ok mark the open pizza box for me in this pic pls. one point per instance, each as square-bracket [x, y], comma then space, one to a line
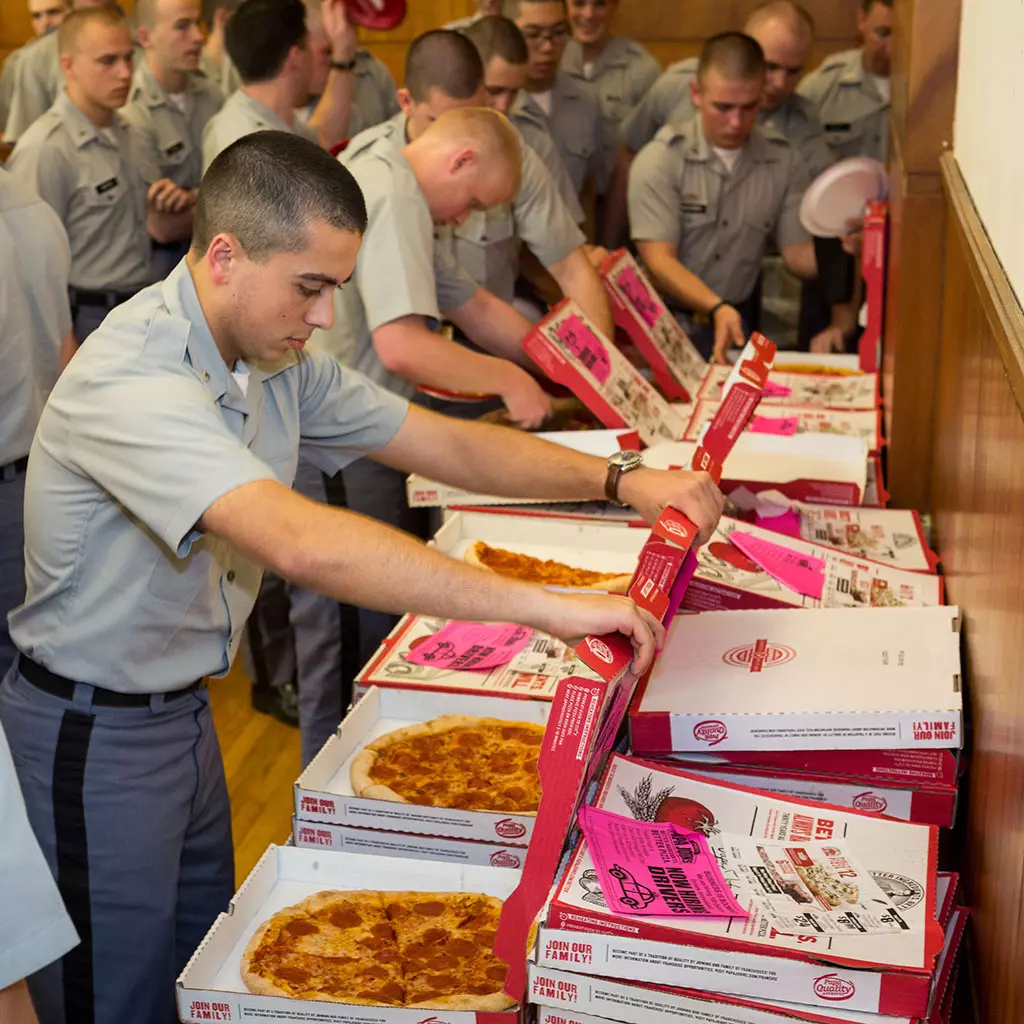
[421, 492]
[533, 674]
[887, 677]
[787, 420]
[885, 968]
[916, 767]
[376, 843]
[825, 391]
[211, 987]
[822, 468]
[820, 363]
[601, 512]
[875, 494]
[563, 997]
[729, 577]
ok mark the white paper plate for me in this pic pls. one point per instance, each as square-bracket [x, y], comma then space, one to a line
[840, 193]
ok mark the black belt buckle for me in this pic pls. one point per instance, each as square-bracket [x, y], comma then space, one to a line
[13, 469]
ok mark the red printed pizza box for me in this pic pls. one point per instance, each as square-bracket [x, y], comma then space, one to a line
[872, 267]
[931, 805]
[571, 350]
[324, 793]
[938, 768]
[820, 363]
[729, 578]
[677, 366]
[947, 896]
[787, 420]
[880, 973]
[319, 835]
[888, 678]
[565, 997]
[533, 674]
[893, 536]
[820, 468]
[825, 391]
[422, 492]
[211, 987]
[875, 494]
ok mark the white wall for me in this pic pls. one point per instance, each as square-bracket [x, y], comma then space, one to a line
[989, 127]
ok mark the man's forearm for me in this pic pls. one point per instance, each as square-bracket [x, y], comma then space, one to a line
[674, 279]
[493, 325]
[170, 227]
[334, 111]
[579, 280]
[800, 260]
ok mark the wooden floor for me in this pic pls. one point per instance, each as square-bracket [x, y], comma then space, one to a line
[261, 762]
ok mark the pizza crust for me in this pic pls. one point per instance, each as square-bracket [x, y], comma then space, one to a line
[613, 585]
[493, 1003]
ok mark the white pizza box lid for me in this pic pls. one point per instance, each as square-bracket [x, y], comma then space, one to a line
[808, 467]
[727, 579]
[893, 970]
[887, 677]
[211, 982]
[533, 674]
[422, 492]
[576, 511]
[320, 835]
[840, 193]
[324, 792]
[824, 390]
[786, 358]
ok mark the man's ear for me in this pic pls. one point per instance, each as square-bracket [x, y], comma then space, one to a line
[223, 255]
[143, 36]
[65, 62]
[461, 159]
[695, 91]
[405, 101]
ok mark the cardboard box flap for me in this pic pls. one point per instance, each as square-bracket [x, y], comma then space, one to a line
[826, 391]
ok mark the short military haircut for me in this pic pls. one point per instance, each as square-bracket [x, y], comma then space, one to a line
[73, 24]
[495, 36]
[444, 60]
[514, 8]
[734, 55]
[782, 10]
[260, 36]
[866, 5]
[267, 188]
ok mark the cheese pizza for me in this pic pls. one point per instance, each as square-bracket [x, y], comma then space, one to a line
[550, 573]
[428, 950]
[457, 761]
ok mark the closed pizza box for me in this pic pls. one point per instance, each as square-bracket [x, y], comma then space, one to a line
[727, 578]
[421, 492]
[875, 494]
[533, 674]
[887, 677]
[571, 350]
[822, 468]
[323, 792]
[947, 896]
[321, 836]
[564, 997]
[872, 268]
[881, 973]
[826, 391]
[919, 767]
[677, 366]
[788, 420]
[211, 987]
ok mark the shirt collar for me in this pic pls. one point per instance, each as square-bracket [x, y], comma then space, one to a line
[758, 149]
[262, 112]
[148, 89]
[82, 130]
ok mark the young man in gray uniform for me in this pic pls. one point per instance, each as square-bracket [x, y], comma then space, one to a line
[171, 101]
[850, 91]
[97, 172]
[159, 488]
[705, 198]
[45, 16]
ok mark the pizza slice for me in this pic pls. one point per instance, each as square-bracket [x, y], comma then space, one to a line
[548, 572]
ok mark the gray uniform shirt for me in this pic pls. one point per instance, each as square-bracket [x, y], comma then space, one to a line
[399, 271]
[97, 185]
[622, 74]
[720, 222]
[241, 115]
[142, 433]
[538, 138]
[7, 84]
[34, 264]
[657, 108]
[175, 135]
[854, 114]
[38, 80]
[575, 124]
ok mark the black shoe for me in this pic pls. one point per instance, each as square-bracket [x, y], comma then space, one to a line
[282, 703]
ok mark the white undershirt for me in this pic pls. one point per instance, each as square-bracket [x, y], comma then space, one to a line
[180, 100]
[588, 70]
[543, 100]
[241, 375]
[728, 157]
[110, 135]
[883, 85]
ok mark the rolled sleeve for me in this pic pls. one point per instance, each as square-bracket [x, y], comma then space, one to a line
[543, 221]
[35, 928]
[789, 230]
[654, 200]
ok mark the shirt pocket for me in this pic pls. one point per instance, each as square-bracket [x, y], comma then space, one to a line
[486, 247]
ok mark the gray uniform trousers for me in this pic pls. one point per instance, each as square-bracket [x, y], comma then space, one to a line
[131, 810]
[12, 555]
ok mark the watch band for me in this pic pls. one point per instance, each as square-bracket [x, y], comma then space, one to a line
[343, 65]
[611, 483]
[714, 309]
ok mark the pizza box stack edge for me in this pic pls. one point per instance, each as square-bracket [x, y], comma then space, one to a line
[875, 972]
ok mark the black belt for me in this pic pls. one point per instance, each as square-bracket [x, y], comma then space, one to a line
[102, 300]
[178, 246]
[13, 469]
[57, 686]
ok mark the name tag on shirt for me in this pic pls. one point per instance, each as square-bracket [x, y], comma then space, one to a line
[176, 148]
[837, 127]
[106, 186]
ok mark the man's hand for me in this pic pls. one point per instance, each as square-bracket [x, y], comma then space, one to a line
[574, 616]
[339, 30]
[829, 340]
[728, 332]
[651, 491]
[165, 197]
[16, 1005]
[597, 254]
[528, 406]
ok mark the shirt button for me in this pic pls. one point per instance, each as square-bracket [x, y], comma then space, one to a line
[725, 223]
[717, 257]
[231, 575]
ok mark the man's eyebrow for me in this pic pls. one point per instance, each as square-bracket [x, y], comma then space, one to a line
[324, 278]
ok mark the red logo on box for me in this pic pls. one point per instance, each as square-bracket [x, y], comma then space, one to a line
[504, 859]
[870, 802]
[204, 1010]
[509, 829]
[833, 988]
[759, 655]
[600, 649]
[710, 732]
[433, 1020]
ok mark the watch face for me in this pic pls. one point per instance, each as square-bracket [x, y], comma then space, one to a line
[627, 460]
